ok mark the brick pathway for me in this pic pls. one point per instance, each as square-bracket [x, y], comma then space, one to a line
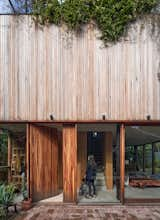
[70, 212]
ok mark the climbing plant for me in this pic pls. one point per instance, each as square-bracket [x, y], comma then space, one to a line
[111, 16]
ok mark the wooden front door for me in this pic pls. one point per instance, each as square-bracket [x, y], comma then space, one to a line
[43, 157]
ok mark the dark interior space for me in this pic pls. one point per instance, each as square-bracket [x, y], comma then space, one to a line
[95, 146]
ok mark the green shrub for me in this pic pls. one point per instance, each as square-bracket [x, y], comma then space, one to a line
[3, 213]
[111, 16]
[7, 194]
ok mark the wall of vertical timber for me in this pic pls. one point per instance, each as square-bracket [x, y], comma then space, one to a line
[47, 70]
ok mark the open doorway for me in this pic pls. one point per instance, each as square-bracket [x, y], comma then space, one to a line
[101, 142]
[13, 172]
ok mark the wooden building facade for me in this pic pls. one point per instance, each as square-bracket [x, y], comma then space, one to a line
[48, 71]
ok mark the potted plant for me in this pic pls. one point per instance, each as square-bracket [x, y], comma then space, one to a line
[27, 202]
[7, 194]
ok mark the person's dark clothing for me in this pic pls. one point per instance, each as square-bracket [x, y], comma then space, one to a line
[90, 177]
[90, 184]
[91, 172]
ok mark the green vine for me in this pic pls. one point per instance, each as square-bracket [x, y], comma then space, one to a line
[111, 16]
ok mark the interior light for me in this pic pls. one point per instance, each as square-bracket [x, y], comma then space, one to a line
[95, 134]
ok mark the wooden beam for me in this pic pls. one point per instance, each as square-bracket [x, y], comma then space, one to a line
[153, 158]
[9, 158]
[69, 163]
[108, 160]
[122, 162]
[125, 122]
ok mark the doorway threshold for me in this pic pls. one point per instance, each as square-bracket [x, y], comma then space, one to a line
[98, 203]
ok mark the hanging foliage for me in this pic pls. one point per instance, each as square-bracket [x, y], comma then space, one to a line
[111, 16]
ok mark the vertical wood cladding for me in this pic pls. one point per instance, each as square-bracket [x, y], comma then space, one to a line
[44, 70]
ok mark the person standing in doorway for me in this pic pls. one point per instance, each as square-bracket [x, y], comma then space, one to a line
[91, 176]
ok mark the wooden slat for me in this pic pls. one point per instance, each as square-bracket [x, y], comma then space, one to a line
[122, 162]
[69, 163]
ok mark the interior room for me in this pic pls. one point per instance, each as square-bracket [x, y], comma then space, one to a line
[12, 153]
[142, 162]
[99, 141]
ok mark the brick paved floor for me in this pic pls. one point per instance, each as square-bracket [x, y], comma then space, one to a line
[67, 212]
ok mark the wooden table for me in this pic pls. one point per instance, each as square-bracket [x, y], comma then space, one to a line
[144, 182]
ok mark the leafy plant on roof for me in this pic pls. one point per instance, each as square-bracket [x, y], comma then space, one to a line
[111, 16]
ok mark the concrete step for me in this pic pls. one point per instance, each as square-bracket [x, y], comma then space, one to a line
[100, 175]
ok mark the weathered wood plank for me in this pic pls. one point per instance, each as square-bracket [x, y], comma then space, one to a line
[36, 68]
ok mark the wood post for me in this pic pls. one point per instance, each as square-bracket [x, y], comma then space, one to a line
[9, 158]
[153, 158]
[69, 163]
[28, 159]
[143, 158]
[122, 162]
[81, 156]
[108, 160]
